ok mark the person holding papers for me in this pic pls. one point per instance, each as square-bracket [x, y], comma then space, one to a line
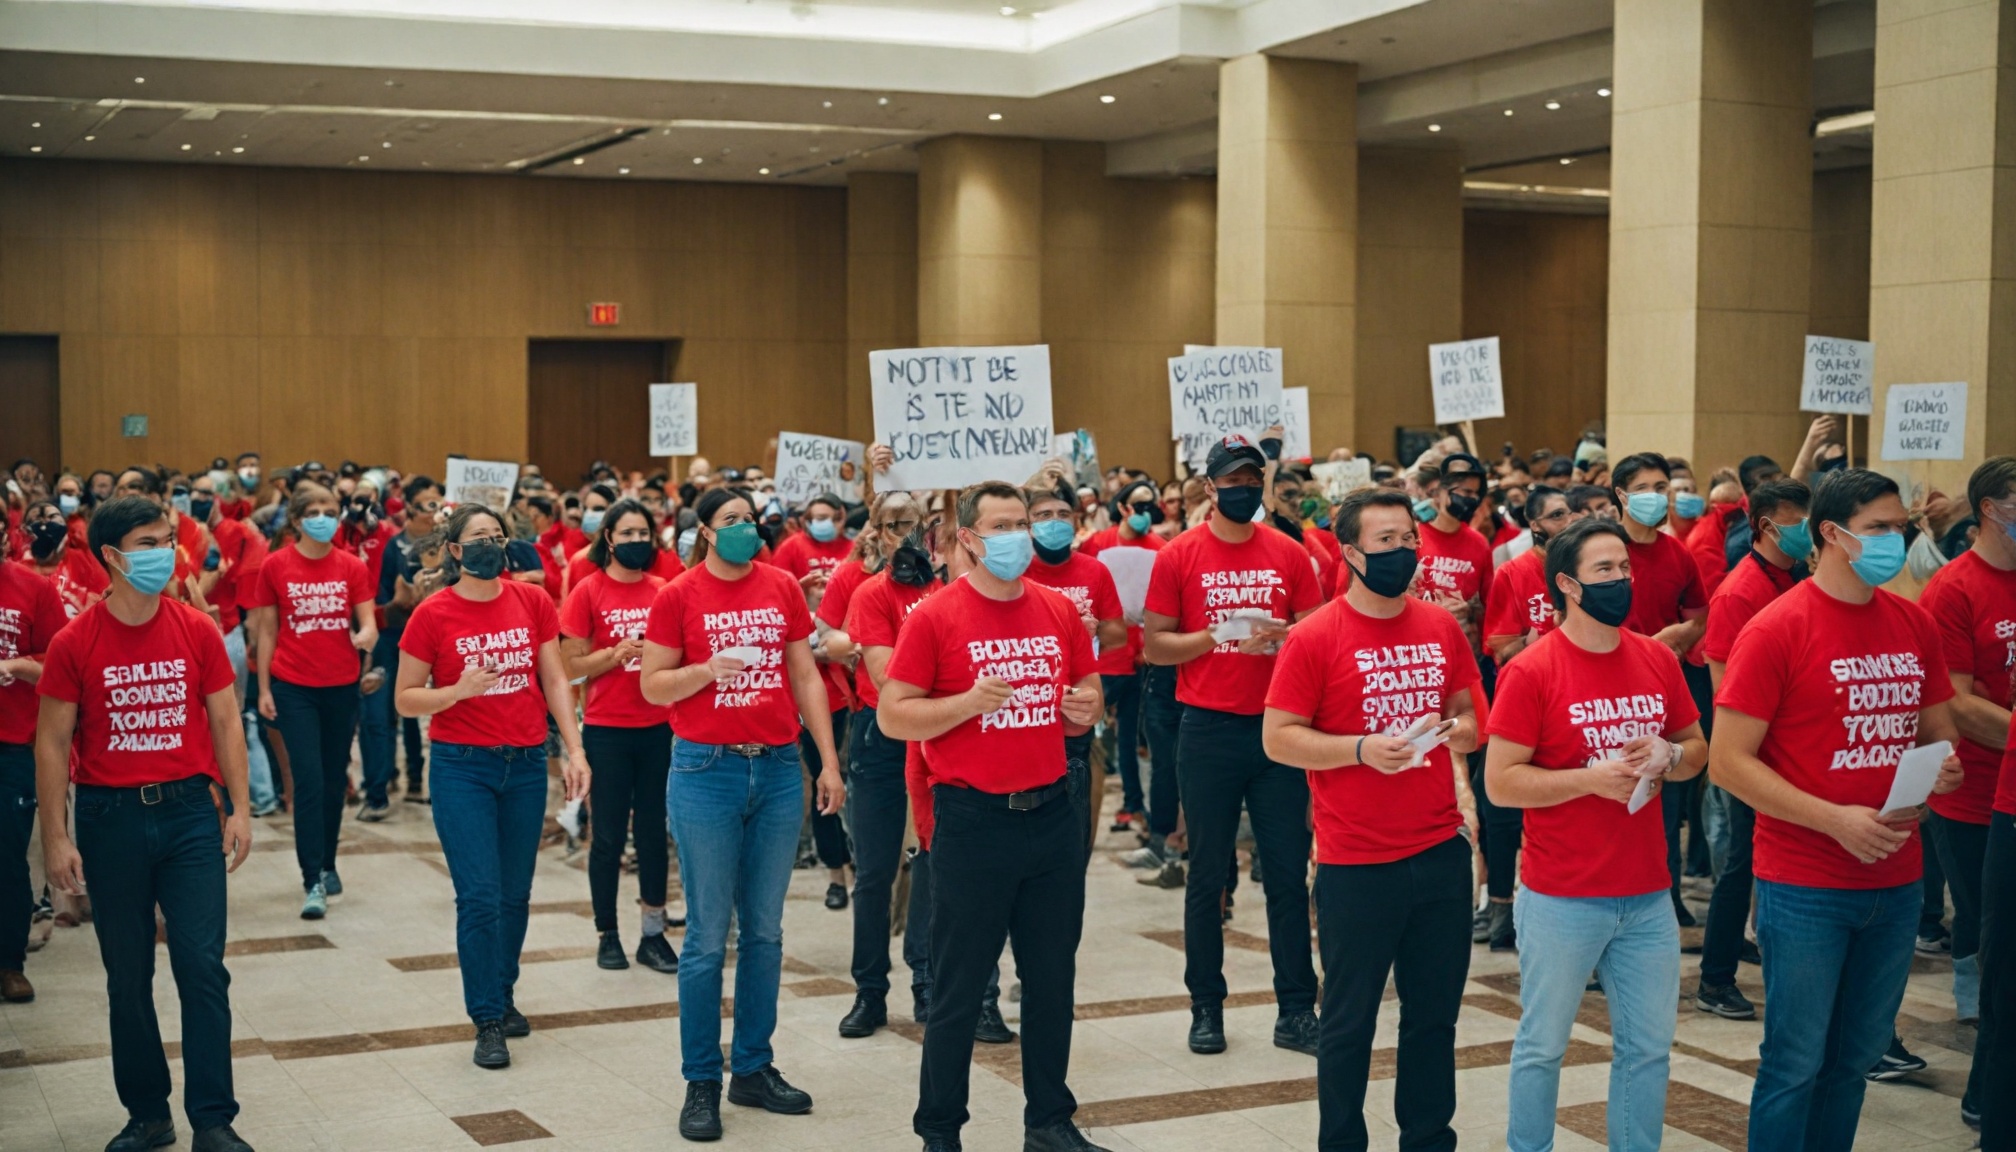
[1588, 724]
[1827, 693]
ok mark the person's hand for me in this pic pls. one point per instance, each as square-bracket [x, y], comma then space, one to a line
[575, 773]
[476, 680]
[627, 649]
[1652, 755]
[1613, 779]
[831, 793]
[1949, 776]
[988, 695]
[267, 708]
[1388, 754]
[1672, 637]
[193, 588]
[64, 866]
[1864, 834]
[1081, 708]
[723, 669]
[1820, 431]
[1091, 625]
[1454, 605]
[813, 583]
[365, 639]
[237, 838]
[881, 458]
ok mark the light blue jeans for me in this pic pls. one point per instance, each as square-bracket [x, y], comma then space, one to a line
[735, 821]
[258, 769]
[1835, 963]
[1633, 944]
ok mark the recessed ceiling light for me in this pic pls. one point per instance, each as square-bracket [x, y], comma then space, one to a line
[699, 160]
[1434, 127]
[1602, 92]
[1553, 105]
[1106, 99]
[762, 171]
[622, 171]
[825, 103]
[90, 137]
[1508, 112]
[1567, 159]
[139, 79]
[238, 149]
[882, 100]
[363, 157]
[34, 148]
[386, 144]
[993, 115]
[36, 124]
[580, 159]
[186, 147]
[1007, 11]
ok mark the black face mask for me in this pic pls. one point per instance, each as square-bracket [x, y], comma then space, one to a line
[1049, 556]
[1289, 526]
[1238, 504]
[483, 559]
[1607, 601]
[636, 555]
[910, 564]
[200, 508]
[1388, 573]
[48, 536]
[1463, 506]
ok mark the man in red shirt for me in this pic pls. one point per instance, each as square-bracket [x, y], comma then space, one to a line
[1359, 691]
[1455, 558]
[1586, 727]
[137, 691]
[1220, 602]
[30, 616]
[992, 675]
[1825, 690]
[1135, 514]
[1709, 540]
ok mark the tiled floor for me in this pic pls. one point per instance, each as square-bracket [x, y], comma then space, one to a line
[350, 1035]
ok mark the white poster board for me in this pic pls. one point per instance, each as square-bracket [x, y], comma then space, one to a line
[1340, 478]
[809, 466]
[1214, 392]
[675, 419]
[1295, 424]
[1840, 376]
[486, 482]
[957, 416]
[1467, 380]
[1130, 568]
[1925, 422]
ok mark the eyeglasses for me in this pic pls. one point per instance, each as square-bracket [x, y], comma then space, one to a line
[498, 540]
[1554, 517]
[901, 527]
[430, 506]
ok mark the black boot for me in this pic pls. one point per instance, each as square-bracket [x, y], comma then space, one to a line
[491, 1051]
[1207, 1029]
[920, 1003]
[1059, 1137]
[609, 952]
[868, 1014]
[219, 1139]
[655, 953]
[990, 1028]
[1297, 1032]
[1503, 937]
[514, 1022]
[700, 1118]
[140, 1135]
[767, 1089]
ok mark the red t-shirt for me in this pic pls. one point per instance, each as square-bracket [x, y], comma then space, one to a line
[140, 694]
[192, 547]
[801, 556]
[1707, 543]
[1352, 674]
[2005, 790]
[241, 550]
[1328, 557]
[1200, 580]
[832, 612]
[875, 618]
[314, 601]
[1035, 642]
[605, 612]
[370, 548]
[1088, 584]
[79, 580]
[1665, 584]
[1116, 662]
[1454, 564]
[1974, 605]
[1574, 707]
[1744, 592]
[452, 634]
[1519, 602]
[30, 615]
[917, 784]
[666, 568]
[701, 614]
[1841, 686]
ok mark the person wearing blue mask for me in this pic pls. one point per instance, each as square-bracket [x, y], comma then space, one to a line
[812, 556]
[1824, 691]
[1136, 511]
[162, 815]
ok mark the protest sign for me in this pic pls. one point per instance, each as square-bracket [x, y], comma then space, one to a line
[486, 482]
[1130, 568]
[957, 416]
[675, 419]
[1295, 424]
[1340, 478]
[1925, 422]
[1840, 376]
[1467, 381]
[1214, 392]
[1081, 452]
[809, 466]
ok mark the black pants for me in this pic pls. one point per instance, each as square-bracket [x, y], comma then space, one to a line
[1962, 848]
[878, 810]
[1123, 696]
[1501, 830]
[1729, 905]
[1219, 760]
[999, 875]
[416, 754]
[1078, 775]
[171, 853]
[829, 834]
[1410, 918]
[1988, 1085]
[17, 824]
[1160, 715]
[626, 796]
[1680, 803]
[318, 725]
[1934, 912]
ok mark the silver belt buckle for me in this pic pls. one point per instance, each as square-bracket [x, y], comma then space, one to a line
[150, 794]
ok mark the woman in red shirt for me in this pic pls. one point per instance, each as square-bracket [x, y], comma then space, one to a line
[627, 738]
[304, 601]
[491, 648]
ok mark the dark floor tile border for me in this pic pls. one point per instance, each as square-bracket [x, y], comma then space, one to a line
[267, 945]
[1234, 938]
[508, 1127]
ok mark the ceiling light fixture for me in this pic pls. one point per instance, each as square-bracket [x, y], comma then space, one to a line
[1508, 111]
[386, 144]
[36, 124]
[622, 171]
[34, 148]
[238, 149]
[139, 79]
[186, 147]
[580, 159]
[762, 171]
[882, 100]
[1106, 99]
[1007, 11]
[1567, 159]
[699, 160]
[825, 103]
[363, 158]
[1848, 122]
[993, 116]
[1553, 105]
[1434, 127]
[1602, 92]
[90, 137]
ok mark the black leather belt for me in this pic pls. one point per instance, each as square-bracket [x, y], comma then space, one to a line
[1013, 801]
[749, 751]
[150, 794]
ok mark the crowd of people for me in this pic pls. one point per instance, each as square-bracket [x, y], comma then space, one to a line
[1511, 705]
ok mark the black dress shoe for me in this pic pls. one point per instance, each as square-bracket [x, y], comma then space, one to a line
[836, 896]
[1061, 1137]
[609, 953]
[990, 1028]
[920, 1003]
[700, 1117]
[516, 1026]
[767, 1089]
[140, 1135]
[868, 1014]
[1297, 1032]
[1207, 1030]
[942, 1144]
[655, 953]
[491, 1051]
[218, 1139]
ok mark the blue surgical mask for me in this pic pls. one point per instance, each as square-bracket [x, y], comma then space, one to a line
[1689, 505]
[591, 521]
[1647, 508]
[1882, 557]
[1008, 554]
[320, 528]
[148, 569]
[1425, 510]
[1795, 540]
[1055, 535]
[822, 530]
[1139, 522]
[67, 503]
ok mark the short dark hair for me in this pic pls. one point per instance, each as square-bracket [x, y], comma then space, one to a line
[1775, 494]
[1536, 497]
[1993, 480]
[1345, 522]
[151, 482]
[244, 456]
[602, 490]
[1753, 467]
[415, 485]
[1627, 469]
[1564, 553]
[829, 499]
[600, 551]
[970, 497]
[540, 504]
[1581, 494]
[1845, 493]
[112, 520]
[451, 533]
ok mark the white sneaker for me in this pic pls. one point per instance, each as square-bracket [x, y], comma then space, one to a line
[1142, 858]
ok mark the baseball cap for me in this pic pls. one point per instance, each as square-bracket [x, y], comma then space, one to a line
[1469, 465]
[1233, 453]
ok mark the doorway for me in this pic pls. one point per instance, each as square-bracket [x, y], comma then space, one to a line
[29, 396]
[590, 400]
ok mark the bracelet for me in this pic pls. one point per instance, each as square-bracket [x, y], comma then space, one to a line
[1358, 753]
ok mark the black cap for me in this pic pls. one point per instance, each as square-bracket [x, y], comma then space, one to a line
[1233, 453]
[1476, 466]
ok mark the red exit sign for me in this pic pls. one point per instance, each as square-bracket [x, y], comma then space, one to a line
[604, 315]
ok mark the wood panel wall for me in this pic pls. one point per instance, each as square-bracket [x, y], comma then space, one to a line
[1540, 282]
[384, 317]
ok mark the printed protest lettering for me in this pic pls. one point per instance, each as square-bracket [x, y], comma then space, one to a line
[1840, 376]
[675, 419]
[1467, 380]
[809, 465]
[1295, 424]
[1925, 422]
[486, 482]
[1340, 478]
[1214, 392]
[957, 416]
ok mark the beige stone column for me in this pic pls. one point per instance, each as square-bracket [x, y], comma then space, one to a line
[1710, 227]
[1942, 294]
[881, 281]
[1410, 286]
[979, 241]
[1288, 225]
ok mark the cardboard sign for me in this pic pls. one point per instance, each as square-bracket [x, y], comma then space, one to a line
[957, 416]
[486, 482]
[1467, 380]
[1295, 424]
[1925, 422]
[1214, 392]
[809, 466]
[675, 419]
[1840, 376]
[1340, 478]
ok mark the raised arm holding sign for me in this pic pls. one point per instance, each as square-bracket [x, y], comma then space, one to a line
[956, 416]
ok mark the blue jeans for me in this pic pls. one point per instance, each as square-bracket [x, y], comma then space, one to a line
[1835, 962]
[1633, 944]
[489, 804]
[258, 768]
[735, 821]
[377, 728]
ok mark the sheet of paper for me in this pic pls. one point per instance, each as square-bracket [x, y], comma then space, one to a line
[1240, 625]
[1642, 794]
[1131, 568]
[1917, 771]
[748, 654]
[1426, 735]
